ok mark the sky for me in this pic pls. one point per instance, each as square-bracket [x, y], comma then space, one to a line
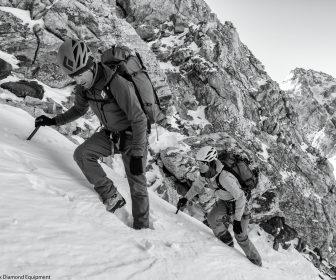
[284, 34]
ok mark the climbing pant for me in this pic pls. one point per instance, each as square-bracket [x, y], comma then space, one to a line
[219, 222]
[100, 145]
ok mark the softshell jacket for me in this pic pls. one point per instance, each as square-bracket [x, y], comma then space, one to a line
[228, 182]
[123, 112]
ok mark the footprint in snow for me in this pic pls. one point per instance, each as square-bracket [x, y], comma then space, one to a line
[124, 216]
[146, 245]
[21, 160]
[40, 185]
[173, 246]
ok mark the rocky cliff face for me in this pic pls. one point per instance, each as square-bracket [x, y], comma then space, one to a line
[198, 65]
[206, 64]
[313, 94]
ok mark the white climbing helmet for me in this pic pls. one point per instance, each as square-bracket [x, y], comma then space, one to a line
[207, 154]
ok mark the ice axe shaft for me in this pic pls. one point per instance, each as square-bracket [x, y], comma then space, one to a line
[33, 133]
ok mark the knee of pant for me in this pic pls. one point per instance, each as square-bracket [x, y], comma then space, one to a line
[215, 221]
[212, 220]
[105, 192]
[82, 153]
[218, 228]
[140, 191]
[78, 153]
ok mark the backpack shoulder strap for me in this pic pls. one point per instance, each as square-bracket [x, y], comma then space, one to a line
[107, 89]
[109, 100]
[140, 60]
[219, 185]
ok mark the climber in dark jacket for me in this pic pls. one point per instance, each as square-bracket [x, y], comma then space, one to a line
[124, 128]
[282, 232]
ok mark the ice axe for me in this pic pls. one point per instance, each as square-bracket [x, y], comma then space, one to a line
[181, 204]
[33, 133]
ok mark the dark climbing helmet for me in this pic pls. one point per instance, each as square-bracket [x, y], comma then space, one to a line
[207, 154]
[73, 56]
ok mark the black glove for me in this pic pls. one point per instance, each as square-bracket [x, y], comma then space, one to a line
[44, 121]
[136, 165]
[182, 202]
[237, 229]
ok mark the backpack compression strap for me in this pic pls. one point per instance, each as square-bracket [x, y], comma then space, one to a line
[144, 70]
[219, 185]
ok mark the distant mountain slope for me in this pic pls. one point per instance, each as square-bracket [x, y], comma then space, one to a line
[313, 94]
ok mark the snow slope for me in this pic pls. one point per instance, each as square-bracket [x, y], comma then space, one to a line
[52, 223]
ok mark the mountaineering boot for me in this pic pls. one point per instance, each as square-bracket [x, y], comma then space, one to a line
[257, 262]
[249, 250]
[285, 246]
[276, 244]
[114, 202]
[227, 239]
[139, 227]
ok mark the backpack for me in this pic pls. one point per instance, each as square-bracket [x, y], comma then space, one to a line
[131, 67]
[239, 167]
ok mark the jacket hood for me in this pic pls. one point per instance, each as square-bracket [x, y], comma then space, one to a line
[104, 76]
[108, 73]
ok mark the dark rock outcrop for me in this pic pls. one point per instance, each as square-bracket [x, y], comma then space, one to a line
[5, 69]
[24, 88]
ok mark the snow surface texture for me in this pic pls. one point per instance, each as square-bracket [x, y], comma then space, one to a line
[52, 223]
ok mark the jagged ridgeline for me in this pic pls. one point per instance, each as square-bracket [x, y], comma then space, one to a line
[313, 94]
[198, 65]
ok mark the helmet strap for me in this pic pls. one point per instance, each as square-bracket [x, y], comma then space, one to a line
[94, 71]
[212, 170]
